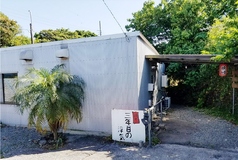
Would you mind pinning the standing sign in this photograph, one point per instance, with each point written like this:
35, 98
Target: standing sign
127, 125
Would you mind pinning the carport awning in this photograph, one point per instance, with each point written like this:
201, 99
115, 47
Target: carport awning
187, 58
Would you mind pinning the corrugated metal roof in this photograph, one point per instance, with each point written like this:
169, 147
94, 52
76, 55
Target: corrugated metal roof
86, 39
187, 58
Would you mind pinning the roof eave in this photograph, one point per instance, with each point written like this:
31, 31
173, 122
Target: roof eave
189, 59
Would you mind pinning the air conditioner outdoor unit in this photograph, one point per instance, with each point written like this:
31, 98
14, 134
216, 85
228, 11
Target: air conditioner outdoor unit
167, 102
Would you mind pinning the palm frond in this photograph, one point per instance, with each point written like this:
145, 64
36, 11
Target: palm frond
54, 96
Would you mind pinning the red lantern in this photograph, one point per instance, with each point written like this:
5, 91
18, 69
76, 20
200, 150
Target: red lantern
223, 70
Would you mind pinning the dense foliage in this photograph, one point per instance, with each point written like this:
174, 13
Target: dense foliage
19, 40
8, 30
61, 34
11, 35
192, 27
223, 39
52, 96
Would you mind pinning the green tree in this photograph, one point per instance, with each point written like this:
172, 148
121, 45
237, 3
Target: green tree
223, 39
52, 96
19, 40
180, 27
174, 27
154, 23
187, 20
219, 8
8, 29
82, 33
216, 92
60, 34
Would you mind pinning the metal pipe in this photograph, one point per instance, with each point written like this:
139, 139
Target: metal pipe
161, 112
149, 127
233, 103
150, 111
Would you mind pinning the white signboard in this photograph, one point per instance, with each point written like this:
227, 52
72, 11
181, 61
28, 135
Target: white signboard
127, 126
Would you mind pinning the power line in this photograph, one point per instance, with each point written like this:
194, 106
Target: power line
127, 38
37, 19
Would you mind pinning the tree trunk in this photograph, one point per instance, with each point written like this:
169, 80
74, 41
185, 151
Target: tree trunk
55, 134
54, 127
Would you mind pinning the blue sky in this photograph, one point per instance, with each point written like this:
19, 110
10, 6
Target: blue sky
71, 14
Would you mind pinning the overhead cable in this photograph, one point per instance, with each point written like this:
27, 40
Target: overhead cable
127, 38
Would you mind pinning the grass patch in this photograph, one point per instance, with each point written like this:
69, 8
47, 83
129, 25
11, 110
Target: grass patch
221, 113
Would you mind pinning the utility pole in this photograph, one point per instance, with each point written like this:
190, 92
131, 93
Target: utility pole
32, 41
100, 28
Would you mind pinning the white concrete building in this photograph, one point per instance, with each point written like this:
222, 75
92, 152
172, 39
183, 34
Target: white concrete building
114, 68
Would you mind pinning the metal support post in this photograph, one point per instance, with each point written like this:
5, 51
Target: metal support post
149, 126
161, 112
233, 103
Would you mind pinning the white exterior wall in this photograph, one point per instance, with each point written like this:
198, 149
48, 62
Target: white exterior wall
110, 72
112, 67
10, 64
144, 70
1, 91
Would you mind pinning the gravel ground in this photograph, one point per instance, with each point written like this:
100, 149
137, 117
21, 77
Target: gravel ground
188, 127
17, 140
188, 135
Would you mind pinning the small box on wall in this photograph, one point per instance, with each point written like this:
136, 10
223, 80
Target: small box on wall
164, 81
150, 87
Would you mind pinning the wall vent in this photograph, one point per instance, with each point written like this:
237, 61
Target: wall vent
26, 55
62, 53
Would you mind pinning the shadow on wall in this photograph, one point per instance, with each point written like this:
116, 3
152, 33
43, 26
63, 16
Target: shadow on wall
144, 95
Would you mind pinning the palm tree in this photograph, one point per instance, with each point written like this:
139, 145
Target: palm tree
52, 96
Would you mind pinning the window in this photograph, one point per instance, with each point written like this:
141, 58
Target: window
8, 88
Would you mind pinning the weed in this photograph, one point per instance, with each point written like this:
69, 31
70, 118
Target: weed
59, 143
155, 140
108, 139
221, 113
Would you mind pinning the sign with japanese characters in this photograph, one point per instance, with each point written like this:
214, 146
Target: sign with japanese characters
127, 125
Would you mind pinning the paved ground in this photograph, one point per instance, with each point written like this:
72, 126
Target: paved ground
188, 135
109, 152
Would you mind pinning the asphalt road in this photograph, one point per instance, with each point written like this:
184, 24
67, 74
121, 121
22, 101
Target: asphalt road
115, 152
